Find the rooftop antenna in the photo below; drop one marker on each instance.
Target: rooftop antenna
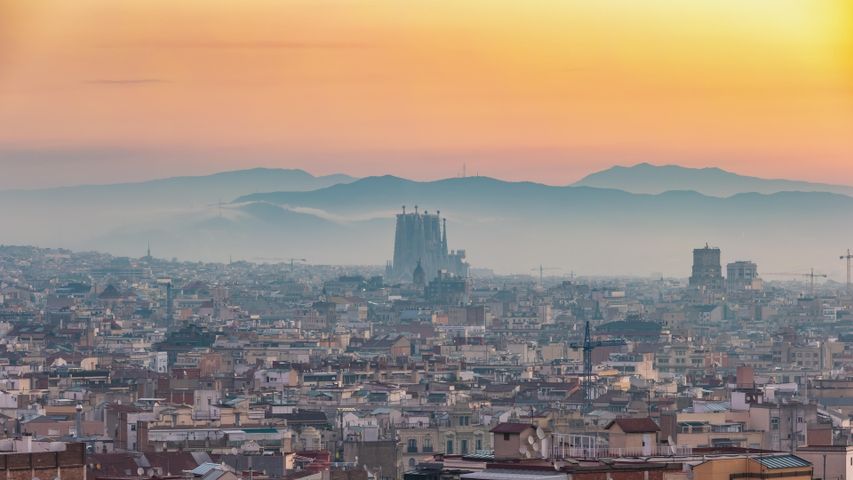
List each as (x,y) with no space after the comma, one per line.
(416,209)
(404,209)
(464,170)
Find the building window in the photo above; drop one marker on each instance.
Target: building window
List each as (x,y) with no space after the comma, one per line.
(427,445)
(412,446)
(449,449)
(506,437)
(774,423)
(463,447)
(479,444)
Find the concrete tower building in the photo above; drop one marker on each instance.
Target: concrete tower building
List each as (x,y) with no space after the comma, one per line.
(742,276)
(421,238)
(707,270)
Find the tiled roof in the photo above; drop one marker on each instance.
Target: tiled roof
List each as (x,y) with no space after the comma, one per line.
(635,425)
(172,462)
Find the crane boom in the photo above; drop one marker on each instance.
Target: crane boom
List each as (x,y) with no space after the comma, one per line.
(811,276)
(587,347)
(542,271)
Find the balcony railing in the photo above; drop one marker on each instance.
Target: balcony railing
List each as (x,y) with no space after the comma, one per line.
(608,452)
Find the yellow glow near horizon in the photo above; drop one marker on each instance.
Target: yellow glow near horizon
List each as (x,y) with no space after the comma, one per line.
(759,86)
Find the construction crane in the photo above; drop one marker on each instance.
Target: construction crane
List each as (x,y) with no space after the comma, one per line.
(542,272)
(847,257)
(300,260)
(811,276)
(291,261)
(587,347)
(218,205)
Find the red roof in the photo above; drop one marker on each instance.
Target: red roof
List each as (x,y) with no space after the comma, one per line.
(172,462)
(511,428)
(635,425)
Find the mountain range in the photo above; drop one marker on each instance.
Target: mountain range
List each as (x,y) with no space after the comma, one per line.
(189,190)
(652,179)
(509,226)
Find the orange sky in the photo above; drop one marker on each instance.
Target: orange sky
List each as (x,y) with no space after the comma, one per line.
(100,90)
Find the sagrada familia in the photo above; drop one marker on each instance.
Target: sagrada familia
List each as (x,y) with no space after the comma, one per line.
(421,241)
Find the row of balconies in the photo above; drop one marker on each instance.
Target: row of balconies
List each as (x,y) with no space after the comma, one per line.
(425,449)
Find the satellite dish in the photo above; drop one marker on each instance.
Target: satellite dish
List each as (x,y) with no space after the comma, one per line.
(540,433)
(530,440)
(140,471)
(522,450)
(535,447)
(527,454)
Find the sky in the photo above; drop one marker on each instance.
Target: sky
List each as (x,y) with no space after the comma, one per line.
(96,91)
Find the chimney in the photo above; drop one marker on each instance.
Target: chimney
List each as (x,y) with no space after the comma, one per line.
(27,440)
(78,424)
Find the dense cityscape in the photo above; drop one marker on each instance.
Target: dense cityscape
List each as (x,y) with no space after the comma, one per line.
(428,369)
(426,240)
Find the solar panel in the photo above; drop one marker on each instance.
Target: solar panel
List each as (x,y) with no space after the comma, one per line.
(783,461)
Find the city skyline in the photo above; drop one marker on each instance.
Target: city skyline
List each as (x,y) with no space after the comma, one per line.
(426,239)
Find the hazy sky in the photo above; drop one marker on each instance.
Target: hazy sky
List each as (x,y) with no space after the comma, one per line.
(105,90)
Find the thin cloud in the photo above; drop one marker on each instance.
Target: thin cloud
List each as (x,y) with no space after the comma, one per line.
(126,81)
(246,45)
(276,45)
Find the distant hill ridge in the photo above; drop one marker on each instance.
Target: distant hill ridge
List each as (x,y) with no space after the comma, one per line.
(712,181)
(510,226)
(260,177)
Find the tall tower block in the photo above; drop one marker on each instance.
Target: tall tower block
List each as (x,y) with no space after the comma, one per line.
(707,269)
